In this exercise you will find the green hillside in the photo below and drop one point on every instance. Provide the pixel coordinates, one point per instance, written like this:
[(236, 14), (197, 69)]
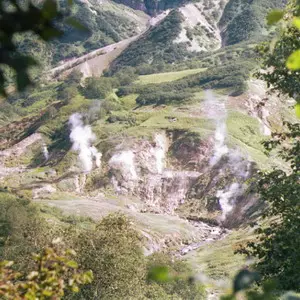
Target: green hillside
[(245, 20), (159, 171), (107, 24)]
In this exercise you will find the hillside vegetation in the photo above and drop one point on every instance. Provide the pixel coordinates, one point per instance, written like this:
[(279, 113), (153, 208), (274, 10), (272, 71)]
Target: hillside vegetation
[(149, 172), (106, 24), (245, 20)]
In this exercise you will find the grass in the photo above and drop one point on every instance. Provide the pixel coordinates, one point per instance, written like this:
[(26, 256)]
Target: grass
[(167, 77), (244, 131), (129, 102), (218, 260), (77, 104), (169, 119)]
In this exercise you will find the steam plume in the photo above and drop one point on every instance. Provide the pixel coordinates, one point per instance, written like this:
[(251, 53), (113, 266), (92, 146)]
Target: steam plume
[(82, 138), (45, 152), (226, 198), (216, 110), (125, 161), (239, 167)]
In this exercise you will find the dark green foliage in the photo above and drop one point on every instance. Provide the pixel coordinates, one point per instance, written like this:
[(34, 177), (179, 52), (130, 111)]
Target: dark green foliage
[(98, 88), (113, 252), (105, 27), (244, 285), (67, 93), (244, 20), (278, 242), (127, 119), (231, 76), (125, 76), (162, 97), (112, 249), (174, 277), (54, 271), (69, 88), (156, 46), (22, 231), (152, 7), (16, 18), (281, 79)]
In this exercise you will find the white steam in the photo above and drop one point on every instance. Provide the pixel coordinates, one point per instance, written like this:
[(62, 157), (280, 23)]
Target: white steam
[(240, 168), (227, 197), (220, 149), (216, 110), (159, 152), (45, 152), (82, 138), (124, 161)]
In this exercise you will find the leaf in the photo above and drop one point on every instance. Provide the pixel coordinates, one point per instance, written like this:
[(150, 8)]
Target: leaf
[(159, 274), (75, 289), (75, 24), (47, 293), (72, 264), (49, 9), (32, 275), (297, 110), (293, 62), (50, 33), (244, 279), (88, 277), (71, 252), (296, 22), (274, 16), (23, 80)]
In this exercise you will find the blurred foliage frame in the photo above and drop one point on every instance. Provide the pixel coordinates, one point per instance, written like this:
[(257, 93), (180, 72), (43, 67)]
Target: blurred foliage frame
[(17, 17)]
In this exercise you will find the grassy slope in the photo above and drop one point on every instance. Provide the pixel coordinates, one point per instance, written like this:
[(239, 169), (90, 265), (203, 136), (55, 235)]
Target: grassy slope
[(167, 77), (219, 262)]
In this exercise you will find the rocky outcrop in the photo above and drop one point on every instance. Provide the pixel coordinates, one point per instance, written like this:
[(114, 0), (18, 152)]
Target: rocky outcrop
[(174, 175), (143, 172), (200, 26)]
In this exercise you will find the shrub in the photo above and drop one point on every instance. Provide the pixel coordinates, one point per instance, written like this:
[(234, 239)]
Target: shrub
[(162, 97), (98, 87), (113, 252)]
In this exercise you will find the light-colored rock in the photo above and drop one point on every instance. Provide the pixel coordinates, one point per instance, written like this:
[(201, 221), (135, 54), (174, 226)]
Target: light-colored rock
[(43, 192), (197, 15)]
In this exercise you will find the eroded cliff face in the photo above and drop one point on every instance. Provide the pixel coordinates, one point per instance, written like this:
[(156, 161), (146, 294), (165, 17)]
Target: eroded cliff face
[(143, 171), (173, 174)]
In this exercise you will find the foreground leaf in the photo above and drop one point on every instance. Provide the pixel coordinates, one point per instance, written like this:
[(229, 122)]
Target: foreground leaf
[(293, 62), (274, 17)]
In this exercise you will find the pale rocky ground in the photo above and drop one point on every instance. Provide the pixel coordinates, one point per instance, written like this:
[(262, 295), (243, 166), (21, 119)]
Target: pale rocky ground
[(204, 18)]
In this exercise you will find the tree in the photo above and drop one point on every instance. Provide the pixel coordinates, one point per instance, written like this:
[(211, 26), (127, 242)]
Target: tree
[(278, 242), (97, 87), (281, 58), (113, 251), (54, 272), (16, 18), (68, 92)]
